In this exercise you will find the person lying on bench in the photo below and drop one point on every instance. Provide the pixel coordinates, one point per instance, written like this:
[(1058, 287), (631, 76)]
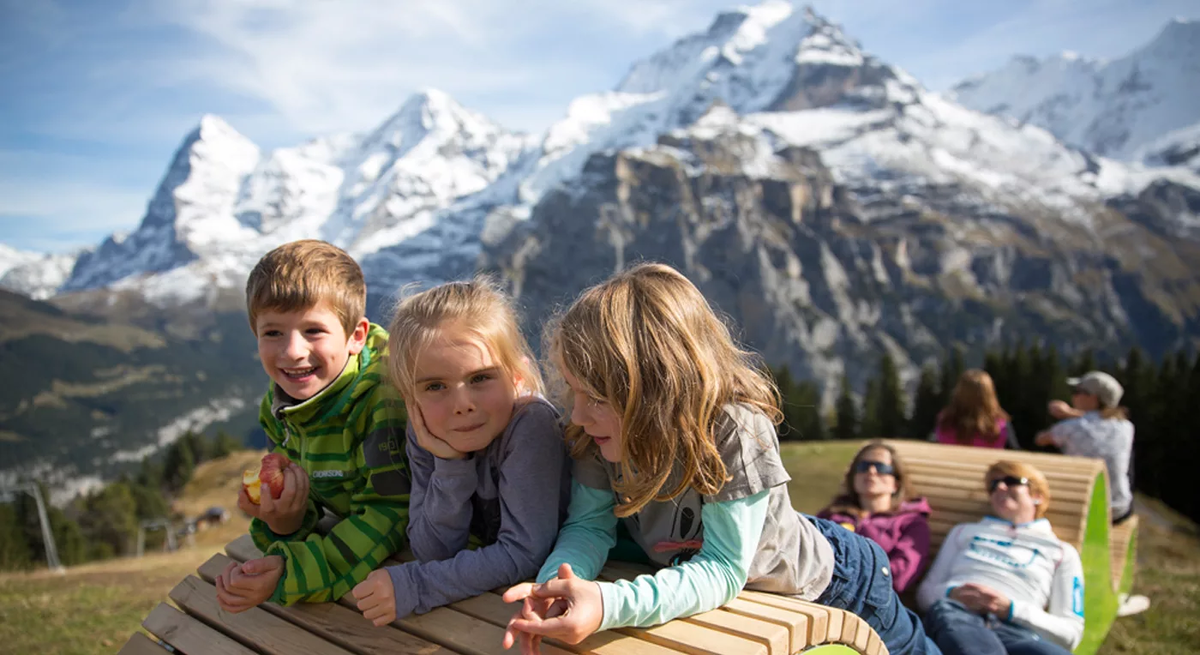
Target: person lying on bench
[(1006, 584), (876, 502)]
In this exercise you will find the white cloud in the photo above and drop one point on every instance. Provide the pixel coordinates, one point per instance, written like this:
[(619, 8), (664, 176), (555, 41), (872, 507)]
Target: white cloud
[(331, 66)]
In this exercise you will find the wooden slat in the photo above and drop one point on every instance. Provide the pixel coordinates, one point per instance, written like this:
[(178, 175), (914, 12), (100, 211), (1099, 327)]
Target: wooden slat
[(189, 635), (140, 644), (698, 640), (337, 623), (874, 644), (793, 624), (444, 626), (973, 488), (242, 549), (776, 629), (836, 618), (491, 608), (255, 628), (777, 638), (817, 615)]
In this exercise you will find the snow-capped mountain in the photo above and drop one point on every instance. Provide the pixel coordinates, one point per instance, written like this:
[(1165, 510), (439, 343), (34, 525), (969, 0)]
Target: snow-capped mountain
[(34, 274), (1122, 108), (223, 203)]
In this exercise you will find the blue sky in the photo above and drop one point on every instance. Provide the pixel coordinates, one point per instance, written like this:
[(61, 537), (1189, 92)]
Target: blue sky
[(96, 95)]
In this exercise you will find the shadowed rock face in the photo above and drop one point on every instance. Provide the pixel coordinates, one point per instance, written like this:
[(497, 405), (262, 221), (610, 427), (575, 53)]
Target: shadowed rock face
[(823, 280)]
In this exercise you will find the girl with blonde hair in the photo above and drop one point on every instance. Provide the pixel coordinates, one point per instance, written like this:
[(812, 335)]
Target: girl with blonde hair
[(485, 449), (974, 416), (673, 433)]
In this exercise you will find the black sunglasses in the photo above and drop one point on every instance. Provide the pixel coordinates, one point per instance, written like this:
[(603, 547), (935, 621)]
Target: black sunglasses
[(865, 465), (1009, 481)]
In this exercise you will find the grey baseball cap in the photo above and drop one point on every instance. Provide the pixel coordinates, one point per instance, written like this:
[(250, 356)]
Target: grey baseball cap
[(1101, 385)]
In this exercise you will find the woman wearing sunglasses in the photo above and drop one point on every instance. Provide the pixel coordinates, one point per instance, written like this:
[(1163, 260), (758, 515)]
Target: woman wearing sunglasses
[(1007, 584), (876, 504)]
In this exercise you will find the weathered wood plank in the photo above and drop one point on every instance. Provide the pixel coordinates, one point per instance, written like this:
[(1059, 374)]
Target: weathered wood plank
[(698, 640), (189, 635), (444, 626), (493, 609), (140, 644), (255, 628), (337, 623)]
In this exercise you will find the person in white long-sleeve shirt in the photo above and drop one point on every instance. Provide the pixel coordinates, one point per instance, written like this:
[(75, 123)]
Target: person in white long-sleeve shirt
[(1006, 585)]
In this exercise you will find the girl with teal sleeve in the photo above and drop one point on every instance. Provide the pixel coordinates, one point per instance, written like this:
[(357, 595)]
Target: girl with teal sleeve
[(672, 431)]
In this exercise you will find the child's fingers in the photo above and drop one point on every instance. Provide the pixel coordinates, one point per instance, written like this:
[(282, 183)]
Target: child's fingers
[(518, 592), (531, 644), (362, 590), (245, 504), (380, 614), (367, 603)]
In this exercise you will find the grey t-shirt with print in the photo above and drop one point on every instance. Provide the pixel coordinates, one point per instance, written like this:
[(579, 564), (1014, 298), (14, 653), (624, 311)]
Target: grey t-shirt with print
[(792, 557), (1111, 440)]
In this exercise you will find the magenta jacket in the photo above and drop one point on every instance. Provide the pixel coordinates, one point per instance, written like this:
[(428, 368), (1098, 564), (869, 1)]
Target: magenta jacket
[(1005, 437), (903, 534)]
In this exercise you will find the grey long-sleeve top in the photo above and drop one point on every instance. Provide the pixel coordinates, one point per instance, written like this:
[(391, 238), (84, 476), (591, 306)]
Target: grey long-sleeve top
[(507, 500)]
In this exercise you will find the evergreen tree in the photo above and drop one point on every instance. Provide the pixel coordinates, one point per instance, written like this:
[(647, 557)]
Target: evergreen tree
[(14, 550), (111, 517), (952, 369), (927, 404), (180, 464), (807, 412), (1086, 361), (847, 423), (69, 541), (224, 444), (870, 411), (150, 474), (148, 503), (789, 430), (893, 415)]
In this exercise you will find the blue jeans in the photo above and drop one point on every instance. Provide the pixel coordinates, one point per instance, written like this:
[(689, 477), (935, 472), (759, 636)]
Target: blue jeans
[(862, 584), (959, 631)]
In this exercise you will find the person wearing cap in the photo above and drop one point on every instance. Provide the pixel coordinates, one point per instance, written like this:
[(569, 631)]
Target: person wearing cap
[(1006, 585), (1095, 425)]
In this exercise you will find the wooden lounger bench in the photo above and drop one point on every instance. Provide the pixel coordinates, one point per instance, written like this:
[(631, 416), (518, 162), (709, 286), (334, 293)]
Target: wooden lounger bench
[(754, 623), (951, 478)]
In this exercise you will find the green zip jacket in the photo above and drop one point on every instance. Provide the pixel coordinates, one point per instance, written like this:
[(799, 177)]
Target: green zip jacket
[(350, 440)]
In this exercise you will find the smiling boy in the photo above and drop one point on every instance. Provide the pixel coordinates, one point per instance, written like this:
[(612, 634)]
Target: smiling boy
[(330, 412)]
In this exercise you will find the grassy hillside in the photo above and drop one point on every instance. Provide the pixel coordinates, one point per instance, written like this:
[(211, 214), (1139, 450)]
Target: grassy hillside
[(94, 608), (83, 388)]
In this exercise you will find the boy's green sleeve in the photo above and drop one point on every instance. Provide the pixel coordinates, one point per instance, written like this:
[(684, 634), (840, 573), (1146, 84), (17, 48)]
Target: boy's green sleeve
[(322, 568)]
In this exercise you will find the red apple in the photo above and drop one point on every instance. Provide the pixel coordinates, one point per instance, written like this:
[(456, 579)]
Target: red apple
[(273, 465)]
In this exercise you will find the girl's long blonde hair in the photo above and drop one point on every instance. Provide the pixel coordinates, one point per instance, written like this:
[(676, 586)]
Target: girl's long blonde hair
[(647, 342), (973, 409), (479, 308)]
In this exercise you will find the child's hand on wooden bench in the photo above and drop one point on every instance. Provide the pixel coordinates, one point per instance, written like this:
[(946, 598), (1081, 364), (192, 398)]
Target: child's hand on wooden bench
[(376, 598), (243, 586), (567, 608)]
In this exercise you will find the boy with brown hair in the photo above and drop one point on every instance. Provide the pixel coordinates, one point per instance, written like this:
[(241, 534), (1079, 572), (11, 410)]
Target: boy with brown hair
[(330, 412)]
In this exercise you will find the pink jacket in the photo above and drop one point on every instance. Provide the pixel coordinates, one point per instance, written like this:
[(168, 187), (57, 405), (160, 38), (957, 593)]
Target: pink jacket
[(903, 534), (1004, 437)]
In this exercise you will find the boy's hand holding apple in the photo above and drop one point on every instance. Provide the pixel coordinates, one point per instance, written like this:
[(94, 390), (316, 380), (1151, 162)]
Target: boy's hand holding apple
[(283, 507)]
